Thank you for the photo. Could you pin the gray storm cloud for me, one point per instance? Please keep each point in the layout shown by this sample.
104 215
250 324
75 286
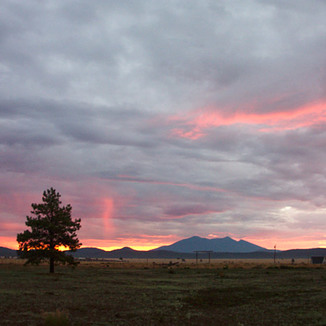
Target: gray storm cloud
193 117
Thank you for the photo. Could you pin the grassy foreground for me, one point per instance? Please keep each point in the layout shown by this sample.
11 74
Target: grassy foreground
140 294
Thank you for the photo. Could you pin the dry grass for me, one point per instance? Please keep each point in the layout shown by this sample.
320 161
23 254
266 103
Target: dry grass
142 293
191 263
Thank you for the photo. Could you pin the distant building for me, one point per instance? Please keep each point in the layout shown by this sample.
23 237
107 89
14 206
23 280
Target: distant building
317 259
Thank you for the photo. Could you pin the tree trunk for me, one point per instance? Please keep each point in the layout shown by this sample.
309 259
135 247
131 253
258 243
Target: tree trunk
51 249
51 265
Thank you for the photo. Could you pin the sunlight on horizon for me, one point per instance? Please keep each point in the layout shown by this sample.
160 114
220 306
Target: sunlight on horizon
109 245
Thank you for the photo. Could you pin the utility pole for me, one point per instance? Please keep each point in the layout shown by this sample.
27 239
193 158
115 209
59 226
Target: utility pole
275 254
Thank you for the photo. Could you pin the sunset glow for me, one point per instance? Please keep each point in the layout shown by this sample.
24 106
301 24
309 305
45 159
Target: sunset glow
142 243
9 242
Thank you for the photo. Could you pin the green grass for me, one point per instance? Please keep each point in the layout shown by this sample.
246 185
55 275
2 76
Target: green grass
101 295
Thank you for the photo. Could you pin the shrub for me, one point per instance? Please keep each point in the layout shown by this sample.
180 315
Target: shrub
57 318
171 271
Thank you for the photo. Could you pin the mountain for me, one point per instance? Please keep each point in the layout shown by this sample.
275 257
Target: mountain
125 252
88 253
216 245
6 252
128 253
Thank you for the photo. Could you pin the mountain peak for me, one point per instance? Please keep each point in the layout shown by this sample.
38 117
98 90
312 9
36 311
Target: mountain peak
126 248
225 244
195 237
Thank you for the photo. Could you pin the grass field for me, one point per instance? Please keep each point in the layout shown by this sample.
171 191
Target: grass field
143 293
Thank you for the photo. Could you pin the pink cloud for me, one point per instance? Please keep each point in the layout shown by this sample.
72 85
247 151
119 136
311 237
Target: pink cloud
195 125
108 209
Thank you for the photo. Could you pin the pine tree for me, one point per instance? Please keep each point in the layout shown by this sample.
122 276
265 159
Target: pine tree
51 228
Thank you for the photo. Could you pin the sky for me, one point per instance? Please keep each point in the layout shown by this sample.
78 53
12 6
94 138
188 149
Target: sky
161 120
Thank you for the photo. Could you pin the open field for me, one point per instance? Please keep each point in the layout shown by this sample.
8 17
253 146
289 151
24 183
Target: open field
143 293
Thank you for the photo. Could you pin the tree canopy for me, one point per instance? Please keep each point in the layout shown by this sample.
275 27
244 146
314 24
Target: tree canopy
51 228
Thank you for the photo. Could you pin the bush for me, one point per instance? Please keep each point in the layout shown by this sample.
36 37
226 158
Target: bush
171 271
58 318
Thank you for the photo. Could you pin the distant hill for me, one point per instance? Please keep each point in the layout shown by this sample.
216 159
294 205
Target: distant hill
216 245
128 253
88 253
229 244
6 252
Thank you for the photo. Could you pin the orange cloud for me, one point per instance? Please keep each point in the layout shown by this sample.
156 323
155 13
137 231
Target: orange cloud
195 125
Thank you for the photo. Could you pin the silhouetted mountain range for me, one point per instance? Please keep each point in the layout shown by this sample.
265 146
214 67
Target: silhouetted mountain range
216 245
222 248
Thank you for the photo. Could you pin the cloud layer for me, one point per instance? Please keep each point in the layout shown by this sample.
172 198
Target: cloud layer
162 120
